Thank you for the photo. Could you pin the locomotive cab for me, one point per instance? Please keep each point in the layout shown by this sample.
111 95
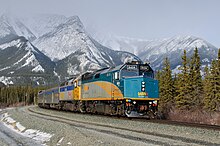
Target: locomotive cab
140 89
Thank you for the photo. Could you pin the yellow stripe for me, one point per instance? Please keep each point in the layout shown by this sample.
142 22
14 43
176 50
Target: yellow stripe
100 98
109 88
142 98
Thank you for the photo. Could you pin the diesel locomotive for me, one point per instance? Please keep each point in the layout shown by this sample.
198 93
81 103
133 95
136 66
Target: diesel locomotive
126 90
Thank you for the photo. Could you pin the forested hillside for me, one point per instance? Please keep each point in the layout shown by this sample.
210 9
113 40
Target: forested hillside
190 95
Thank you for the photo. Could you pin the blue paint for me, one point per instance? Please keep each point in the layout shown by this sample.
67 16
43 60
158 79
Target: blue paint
66 88
152 87
134 85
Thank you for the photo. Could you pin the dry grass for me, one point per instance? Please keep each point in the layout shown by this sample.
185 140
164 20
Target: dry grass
195 116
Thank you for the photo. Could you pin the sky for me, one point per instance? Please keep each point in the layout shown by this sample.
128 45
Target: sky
143 19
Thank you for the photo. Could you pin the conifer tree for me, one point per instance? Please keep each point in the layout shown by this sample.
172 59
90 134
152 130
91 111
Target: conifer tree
183 98
195 86
212 98
207 89
167 90
218 81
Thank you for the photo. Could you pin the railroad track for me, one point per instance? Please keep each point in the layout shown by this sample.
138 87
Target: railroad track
113 130
158 121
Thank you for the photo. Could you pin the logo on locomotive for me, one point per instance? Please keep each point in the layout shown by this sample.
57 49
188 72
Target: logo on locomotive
142 94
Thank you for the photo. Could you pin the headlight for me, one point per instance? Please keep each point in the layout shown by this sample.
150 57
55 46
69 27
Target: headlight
155 101
143 83
150 102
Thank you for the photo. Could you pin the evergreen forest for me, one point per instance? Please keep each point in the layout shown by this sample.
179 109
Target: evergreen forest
190 90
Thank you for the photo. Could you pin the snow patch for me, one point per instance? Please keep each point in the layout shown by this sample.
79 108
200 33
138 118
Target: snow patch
6 80
11 72
25 56
31 61
176 70
5 68
37 135
205 60
38 68
12 43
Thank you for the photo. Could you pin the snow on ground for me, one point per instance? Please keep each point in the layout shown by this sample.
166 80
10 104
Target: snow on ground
37 135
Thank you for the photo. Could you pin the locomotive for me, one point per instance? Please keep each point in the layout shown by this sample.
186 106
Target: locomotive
125 90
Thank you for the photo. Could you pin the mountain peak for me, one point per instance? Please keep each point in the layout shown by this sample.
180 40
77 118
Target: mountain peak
75 22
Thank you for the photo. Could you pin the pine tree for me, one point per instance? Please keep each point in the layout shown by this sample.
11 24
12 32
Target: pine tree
182 99
195 86
207 89
218 81
212 98
167 90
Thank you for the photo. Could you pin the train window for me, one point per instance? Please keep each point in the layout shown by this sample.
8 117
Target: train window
75 84
116 75
97 76
87 76
79 83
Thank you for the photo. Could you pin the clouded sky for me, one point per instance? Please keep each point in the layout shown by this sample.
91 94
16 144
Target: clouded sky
146 19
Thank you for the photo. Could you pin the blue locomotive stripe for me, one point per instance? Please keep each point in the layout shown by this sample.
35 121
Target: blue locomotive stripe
67 88
70 88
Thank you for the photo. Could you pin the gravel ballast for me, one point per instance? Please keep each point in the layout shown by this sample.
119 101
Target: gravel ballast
75 134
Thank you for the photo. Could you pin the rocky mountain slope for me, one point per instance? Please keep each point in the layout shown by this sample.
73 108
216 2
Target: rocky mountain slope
21 61
154 51
66 42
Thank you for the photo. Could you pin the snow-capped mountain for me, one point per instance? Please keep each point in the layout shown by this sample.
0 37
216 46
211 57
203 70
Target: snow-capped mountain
92 58
41 24
154 51
72 38
11 27
19 59
62 39
72 50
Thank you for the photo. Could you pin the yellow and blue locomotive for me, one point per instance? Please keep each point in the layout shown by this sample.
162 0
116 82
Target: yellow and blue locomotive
127 90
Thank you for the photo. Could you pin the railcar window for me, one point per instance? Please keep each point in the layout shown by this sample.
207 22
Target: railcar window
79 83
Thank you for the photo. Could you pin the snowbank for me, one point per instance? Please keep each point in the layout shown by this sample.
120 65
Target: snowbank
37 135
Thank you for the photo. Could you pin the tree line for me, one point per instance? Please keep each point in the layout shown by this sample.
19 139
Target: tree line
189 90
18 95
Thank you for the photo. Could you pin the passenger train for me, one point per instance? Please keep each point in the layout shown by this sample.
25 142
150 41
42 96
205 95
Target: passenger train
125 90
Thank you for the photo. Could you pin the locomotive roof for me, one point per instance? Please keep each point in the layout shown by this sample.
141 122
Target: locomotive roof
89 75
115 68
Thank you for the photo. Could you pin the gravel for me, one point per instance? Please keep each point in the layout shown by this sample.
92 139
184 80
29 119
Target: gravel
74 134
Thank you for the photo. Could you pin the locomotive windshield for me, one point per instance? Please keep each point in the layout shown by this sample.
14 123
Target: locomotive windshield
129 70
146 71
137 70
